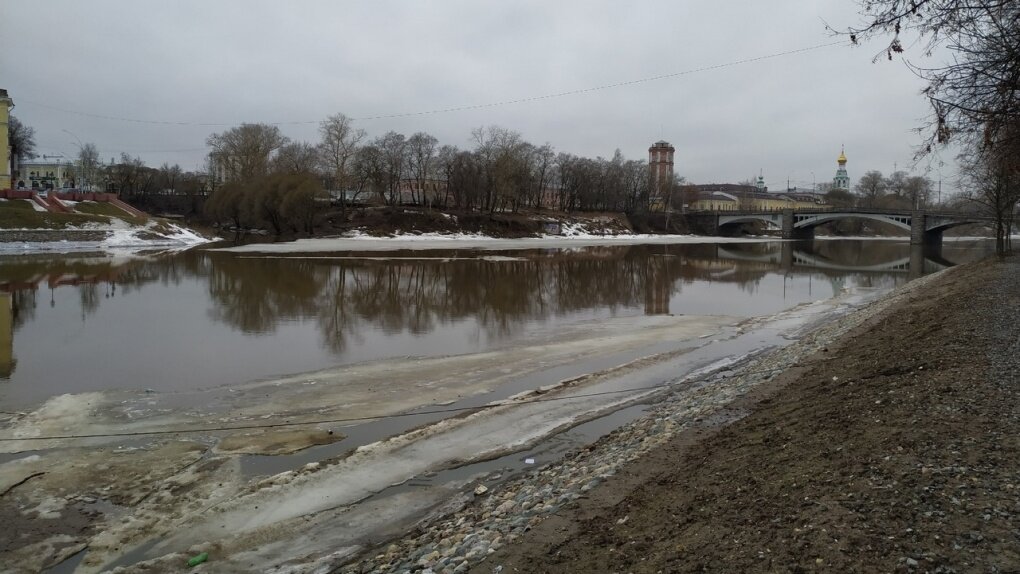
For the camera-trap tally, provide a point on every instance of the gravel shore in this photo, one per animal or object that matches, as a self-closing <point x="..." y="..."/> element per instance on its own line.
<point x="575" y="504"/>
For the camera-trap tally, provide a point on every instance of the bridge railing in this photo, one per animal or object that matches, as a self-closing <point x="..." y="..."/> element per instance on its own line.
<point x="863" y="210"/>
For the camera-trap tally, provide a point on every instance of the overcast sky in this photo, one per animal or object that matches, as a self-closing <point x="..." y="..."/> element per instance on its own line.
<point x="206" y="65"/>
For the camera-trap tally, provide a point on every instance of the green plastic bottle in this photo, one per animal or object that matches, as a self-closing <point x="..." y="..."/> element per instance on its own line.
<point x="195" y="561"/>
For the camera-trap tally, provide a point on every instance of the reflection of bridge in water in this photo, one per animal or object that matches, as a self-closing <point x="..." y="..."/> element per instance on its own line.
<point x="919" y="262"/>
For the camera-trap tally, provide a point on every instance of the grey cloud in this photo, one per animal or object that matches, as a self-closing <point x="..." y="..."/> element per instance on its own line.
<point x="235" y="61"/>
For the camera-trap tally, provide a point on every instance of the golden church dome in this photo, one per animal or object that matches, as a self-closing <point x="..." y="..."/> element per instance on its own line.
<point x="842" y="157"/>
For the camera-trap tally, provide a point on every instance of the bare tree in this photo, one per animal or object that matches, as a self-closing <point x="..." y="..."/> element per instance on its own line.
<point x="542" y="172"/>
<point x="392" y="165"/>
<point x="170" y="174"/>
<point x="337" y="148"/>
<point x="422" y="160"/>
<point x="502" y="153"/>
<point x="89" y="165"/>
<point x="917" y="189"/>
<point x="244" y="152"/>
<point x="445" y="158"/>
<point x="870" y="188"/>
<point x="465" y="178"/>
<point x="21" y="138"/>
<point x="991" y="179"/>
<point x="296" y="158"/>
<point x="975" y="95"/>
<point x="130" y="177"/>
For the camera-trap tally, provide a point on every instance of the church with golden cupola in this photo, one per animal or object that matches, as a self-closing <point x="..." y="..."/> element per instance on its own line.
<point x="842" y="180"/>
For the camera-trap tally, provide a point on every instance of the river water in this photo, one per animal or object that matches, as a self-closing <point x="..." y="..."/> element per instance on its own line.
<point x="354" y="392"/>
<point x="174" y="322"/>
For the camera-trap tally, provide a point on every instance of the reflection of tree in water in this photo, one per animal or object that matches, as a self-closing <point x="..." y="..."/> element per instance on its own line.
<point x="351" y="296"/>
<point x="88" y="297"/>
<point x="23" y="307"/>
<point x="253" y="294"/>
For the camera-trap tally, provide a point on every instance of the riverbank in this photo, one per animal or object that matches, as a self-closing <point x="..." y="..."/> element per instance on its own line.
<point x="154" y="472"/>
<point x="892" y="449"/>
<point x="886" y="444"/>
<point x="302" y="473"/>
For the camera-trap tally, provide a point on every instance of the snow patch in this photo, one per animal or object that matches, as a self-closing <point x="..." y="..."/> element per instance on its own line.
<point x="363" y="242"/>
<point x="120" y="236"/>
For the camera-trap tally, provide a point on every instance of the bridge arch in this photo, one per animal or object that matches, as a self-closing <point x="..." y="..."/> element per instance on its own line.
<point x="924" y="228"/>
<point x="940" y="226"/>
<point x="772" y="220"/>
<point x="810" y="221"/>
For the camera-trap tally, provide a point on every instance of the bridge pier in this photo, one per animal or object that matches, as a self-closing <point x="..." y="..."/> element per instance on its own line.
<point x="917" y="228"/>
<point x="786" y="257"/>
<point x="919" y="235"/>
<point x="791" y="232"/>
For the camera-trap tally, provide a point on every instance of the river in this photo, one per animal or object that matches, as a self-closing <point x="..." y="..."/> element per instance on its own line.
<point x="198" y="319"/>
<point x="213" y="369"/>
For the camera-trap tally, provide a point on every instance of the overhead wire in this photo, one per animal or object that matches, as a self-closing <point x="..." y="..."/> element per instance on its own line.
<point x="462" y="107"/>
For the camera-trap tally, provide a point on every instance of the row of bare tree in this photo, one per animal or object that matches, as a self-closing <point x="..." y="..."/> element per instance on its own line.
<point x="501" y="172"/>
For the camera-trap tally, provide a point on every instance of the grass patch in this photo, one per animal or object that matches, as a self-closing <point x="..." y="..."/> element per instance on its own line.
<point x="108" y="210"/>
<point x="15" y="216"/>
<point x="99" y="208"/>
<point x="22" y="204"/>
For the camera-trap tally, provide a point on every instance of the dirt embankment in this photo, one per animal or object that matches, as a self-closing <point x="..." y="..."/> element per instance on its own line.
<point x="896" y="450"/>
<point x="388" y="221"/>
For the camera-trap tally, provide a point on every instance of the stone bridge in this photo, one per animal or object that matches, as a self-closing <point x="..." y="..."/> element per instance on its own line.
<point x="925" y="227"/>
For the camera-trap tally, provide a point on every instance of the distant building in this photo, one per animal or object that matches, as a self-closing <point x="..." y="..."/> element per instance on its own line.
<point x="46" y="173"/>
<point x="660" y="167"/>
<point x="6" y="104"/>
<point x="747" y="198"/>
<point x="842" y="180"/>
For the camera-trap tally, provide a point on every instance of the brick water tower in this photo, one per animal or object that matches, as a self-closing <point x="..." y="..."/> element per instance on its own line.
<point x="6" y="103"/>
<point x="660" y="166"/>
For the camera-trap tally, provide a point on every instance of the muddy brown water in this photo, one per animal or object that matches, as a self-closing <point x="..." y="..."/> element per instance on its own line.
<point x="198" y="319"/>
<point x="180" y="322"/>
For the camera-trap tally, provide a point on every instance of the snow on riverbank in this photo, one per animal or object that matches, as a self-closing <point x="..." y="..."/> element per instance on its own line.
<point x="118" y="235"/>
<point x="472" y="241"/>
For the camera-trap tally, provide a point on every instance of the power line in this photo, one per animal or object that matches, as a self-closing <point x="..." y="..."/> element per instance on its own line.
<point x="142" y="150"/>
<point x="368" y="418"/>
<point x="464" y="107"/>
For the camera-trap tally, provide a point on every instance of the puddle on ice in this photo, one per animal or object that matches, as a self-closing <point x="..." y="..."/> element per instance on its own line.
<point x="370" y="432"/>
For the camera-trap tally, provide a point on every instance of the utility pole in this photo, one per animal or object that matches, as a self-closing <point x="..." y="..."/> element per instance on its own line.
<point x="940" y="183"/>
